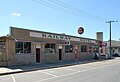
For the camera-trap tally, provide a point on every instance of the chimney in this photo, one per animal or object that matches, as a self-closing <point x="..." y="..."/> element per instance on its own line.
<point x="99" y="36"/>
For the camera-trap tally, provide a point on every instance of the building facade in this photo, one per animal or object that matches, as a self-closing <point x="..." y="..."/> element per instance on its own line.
<point x="115" y="47"/>
<point x="24" y="46"/>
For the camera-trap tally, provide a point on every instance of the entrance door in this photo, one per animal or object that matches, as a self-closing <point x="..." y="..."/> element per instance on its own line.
<point x="76" y="54"/>
<point x="38" y="55"/>
<point x="60" y="54"/>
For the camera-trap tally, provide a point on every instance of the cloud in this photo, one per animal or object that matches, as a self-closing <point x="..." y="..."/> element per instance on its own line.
<point x="16" y="14"/>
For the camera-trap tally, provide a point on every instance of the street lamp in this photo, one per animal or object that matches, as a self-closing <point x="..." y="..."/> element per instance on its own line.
<point x="110" y="35"/>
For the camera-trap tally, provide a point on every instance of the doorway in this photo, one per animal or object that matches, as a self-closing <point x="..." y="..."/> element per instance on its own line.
<point x="76" y="54"/>
<point x="37" y="55"/>
<point x="60" y="54"/>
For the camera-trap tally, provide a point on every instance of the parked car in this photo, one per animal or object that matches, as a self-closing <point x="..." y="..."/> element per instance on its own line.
<point x="115" y="55"/>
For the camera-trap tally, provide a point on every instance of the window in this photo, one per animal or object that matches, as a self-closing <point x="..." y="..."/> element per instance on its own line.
<point x="23" y="47"/>
<point x="83" y="48"/>
<point x="96" y="48"/>
<point x="49" y="48"/>
<point x="2" y="49"/>
<point x="19" y="47"/>
<point x="27" y="47"/>
<point x="68" y="48"/>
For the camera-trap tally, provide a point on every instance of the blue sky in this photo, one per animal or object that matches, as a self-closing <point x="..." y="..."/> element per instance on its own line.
<point x="61" y="16"/>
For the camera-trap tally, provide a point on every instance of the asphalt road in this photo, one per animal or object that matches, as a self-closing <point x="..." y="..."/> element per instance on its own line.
<point x="102" y="71"/>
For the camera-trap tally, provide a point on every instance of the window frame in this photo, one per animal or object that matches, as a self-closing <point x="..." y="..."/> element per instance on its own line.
<point x="50" y="48"/>
<point x="83" y="48"/>
<point x="70" y="50"/>
<point x="17" y="47"/>
<point x="23" y="48"/>
<point x="28" y="47"/>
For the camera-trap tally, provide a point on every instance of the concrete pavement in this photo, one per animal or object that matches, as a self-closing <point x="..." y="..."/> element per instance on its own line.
<point x="33" y="67"/>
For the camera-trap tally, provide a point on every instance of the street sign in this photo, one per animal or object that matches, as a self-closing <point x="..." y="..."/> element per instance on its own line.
<point x="80" y="30"/>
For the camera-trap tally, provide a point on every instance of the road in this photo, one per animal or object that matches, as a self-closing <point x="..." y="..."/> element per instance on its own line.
<point x="102" y="71"/>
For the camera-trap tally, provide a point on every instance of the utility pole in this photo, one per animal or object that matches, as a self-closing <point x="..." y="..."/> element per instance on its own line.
<point x="110" y="36"/>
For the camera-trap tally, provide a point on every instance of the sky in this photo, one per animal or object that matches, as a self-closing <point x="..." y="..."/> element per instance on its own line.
<point x="62" y="16"/>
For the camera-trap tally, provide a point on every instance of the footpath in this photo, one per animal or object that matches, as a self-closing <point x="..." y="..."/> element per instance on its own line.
<point x="33" y="67"/>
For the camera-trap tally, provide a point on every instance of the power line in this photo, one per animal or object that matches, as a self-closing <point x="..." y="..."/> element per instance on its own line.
<point x="67" y="8"/>
<point x="55" y="4"/>
<point x="77" y="10"/>
<point x="49" y="4"/>
<point x="54" y="7"/>
<point x="46" y="4"/>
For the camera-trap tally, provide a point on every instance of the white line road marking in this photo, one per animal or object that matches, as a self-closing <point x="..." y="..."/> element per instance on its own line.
<point x="13" y="78"/>
<point x="75" y="72"/>
<point x="72" y="70"/>
<point x="50" y="74"/>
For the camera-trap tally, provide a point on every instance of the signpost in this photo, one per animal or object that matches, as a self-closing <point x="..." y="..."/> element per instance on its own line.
<point x="80" y="31"/>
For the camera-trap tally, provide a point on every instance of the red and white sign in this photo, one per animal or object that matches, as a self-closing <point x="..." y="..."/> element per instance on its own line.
<point x="104" y="44"/>
<point x="80" y="30"/>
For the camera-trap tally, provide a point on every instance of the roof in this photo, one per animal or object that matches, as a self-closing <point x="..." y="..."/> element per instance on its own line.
<point x="51" y="33"/>
<point x="4" y="36"/>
